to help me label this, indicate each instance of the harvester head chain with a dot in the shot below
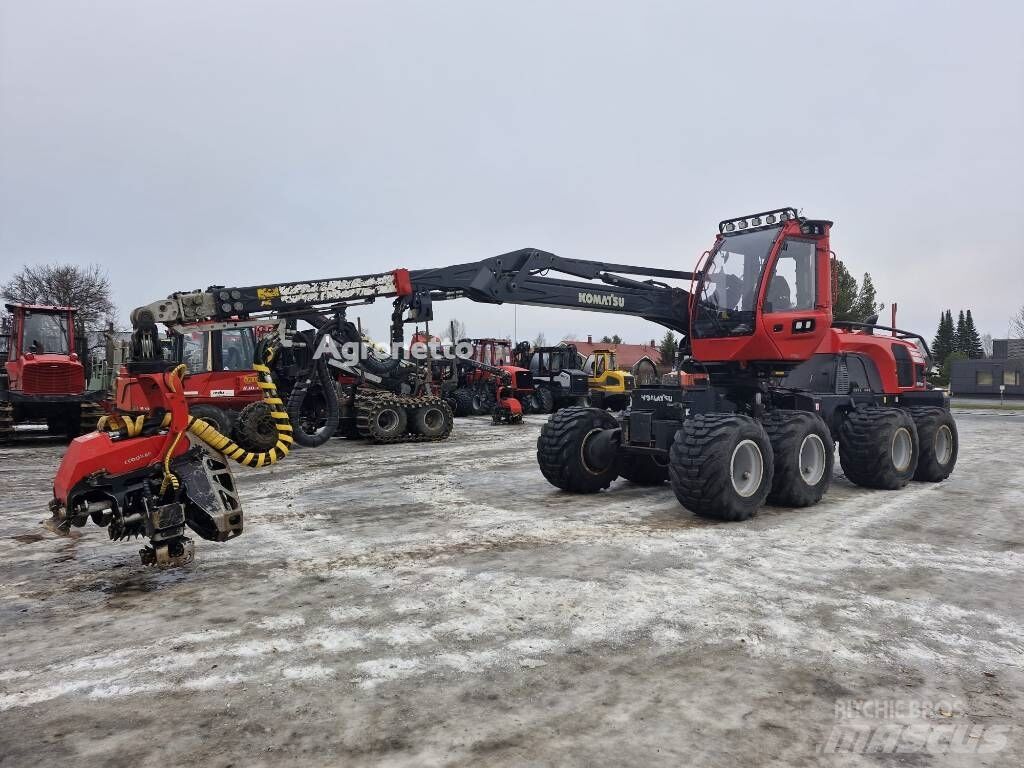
(367, 400)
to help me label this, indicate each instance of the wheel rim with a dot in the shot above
(433, 418)
(387, 420)
(583, 452)
(943, 445)
(746, 468)
(812, 460)
(902, 449)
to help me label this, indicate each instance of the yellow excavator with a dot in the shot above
(609, 386)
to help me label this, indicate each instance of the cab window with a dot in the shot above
(193, 351)
(236, 350)
(45, 333)
(791, 287)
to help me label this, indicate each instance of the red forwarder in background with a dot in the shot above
(43, 377)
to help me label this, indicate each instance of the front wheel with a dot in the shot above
(721, 466)
(543, 400)
(566, 450)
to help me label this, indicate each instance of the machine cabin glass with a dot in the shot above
(46, 333)
(727, 293)
(792, 285)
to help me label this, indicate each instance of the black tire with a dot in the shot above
(642, 469)
(464, 402)
(873, 448)
(213, 416)
(485, 399)
(386, 421)
(526, 401)
(433, 420)
(544, 400)
(255, 429)
(804, 456)
(940, 444)
(706, 466)
(560, 450)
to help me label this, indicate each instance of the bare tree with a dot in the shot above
(1017, 324)
(65, 285)
(457, 329)
(986, 344)
(540, 341)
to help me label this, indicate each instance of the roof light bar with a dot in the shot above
(757, 220)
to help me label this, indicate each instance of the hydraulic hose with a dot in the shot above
(128, 425)
(301, 390)
(231, 449)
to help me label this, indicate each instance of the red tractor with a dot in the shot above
(43, 377)
(486, 371)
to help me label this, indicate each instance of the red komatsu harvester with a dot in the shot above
(43, 377)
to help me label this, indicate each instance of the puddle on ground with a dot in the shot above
(29, 538)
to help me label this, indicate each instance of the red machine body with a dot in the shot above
(763, 297)
(43, 376)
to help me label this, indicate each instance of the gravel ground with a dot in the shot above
(421, 605)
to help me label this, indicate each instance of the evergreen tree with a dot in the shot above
(942, 344)
(866, 305)
(668, 347)
(972, 339)
(606, 339)
(616, 339)
(844, 292)
(960, 335)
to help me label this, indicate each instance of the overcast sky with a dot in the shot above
(188, 142)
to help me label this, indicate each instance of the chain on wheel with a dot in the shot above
(387, 418)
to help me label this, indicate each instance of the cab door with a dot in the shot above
(795, 298)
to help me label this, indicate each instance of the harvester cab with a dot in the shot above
(43, 376)
(763, 293)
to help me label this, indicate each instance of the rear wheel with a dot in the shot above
(464, 402)
(484, 400)
(804, 455)
(721, 466)
(433, 420)
(213, 416)
(255, 428)
(936, 432)
(642, 469)
(385, 421)
(878, 447)
(543, 400)
(566, 450)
